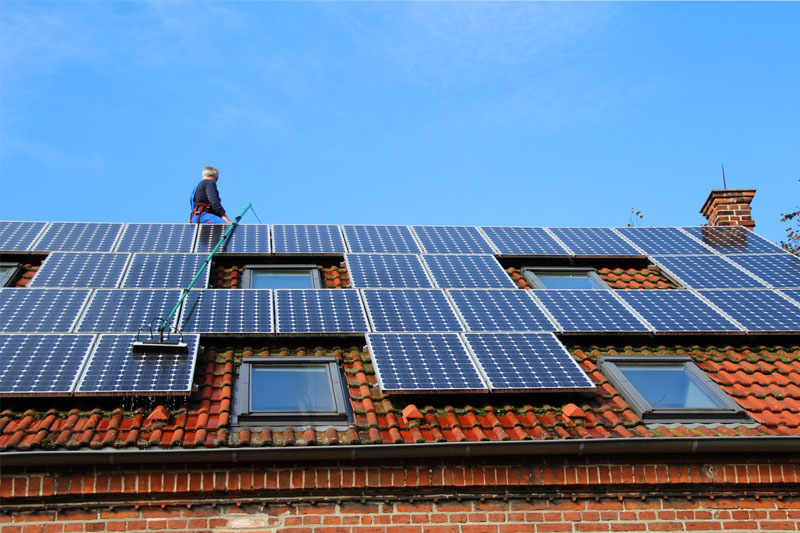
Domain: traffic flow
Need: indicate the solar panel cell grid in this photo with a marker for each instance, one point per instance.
(467, 272)
(707, 272)
(452, 240)
(319, 311)
(588, 310)
(732, 240)
(380, 239)
(663, 241)
(19, 236)
(228, 311)
(779, 270)
(40, 310)
(41, 364)
(157, 238)
(423, 363)
(79, 237)
(152, 271)
(115, 368)
(794, 294)
(527, 361)
(500, 310)
(307, 238)
(127, 310)
(410, 310)
(676, 311)
(523, 241)
(76, 269)
(594, 241)
(245, 238)
(757, 310)
(387, 271)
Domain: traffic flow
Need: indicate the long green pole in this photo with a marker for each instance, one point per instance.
(230, 229)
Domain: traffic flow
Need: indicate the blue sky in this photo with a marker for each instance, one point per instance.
(538, 114)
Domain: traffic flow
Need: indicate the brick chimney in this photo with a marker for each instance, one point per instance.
(729, 207)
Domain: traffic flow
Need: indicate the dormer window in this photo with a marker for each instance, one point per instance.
(281, 277)
(563, 278)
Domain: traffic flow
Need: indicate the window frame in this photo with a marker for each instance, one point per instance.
(7, 279)
(645, 410)
(245, 415)
(529, 272)
(313, 273)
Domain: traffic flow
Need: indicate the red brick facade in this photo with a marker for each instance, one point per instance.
(729, 207)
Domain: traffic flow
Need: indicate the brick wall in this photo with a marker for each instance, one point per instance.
(729, 207)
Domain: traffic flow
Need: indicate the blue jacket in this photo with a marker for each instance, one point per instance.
(206, 193)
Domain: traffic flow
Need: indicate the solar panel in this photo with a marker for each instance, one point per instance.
(157, 238)
(227, 311)
(380, 239)
(524, 241)
(423, 363)
(594, 241)
(307, 238)
(41, 364)
(152, 271)
(733, 240)
(794, 294)
(663, 241)
(81, 269)
(79, 237)
(19, 236)
(40, 310)
(245, 238)
(588, 310)
(779, 270)
(452, 240)
(467, 272)
(500, 310)
(676, 311)
(127, 310)
(319, 311)
(527, 362)
(114, 368)
(757, 310)
(707, 272)
(410, 310)
(400, 271)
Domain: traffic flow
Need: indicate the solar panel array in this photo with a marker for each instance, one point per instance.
(594, 241)
(452, 240)
(244, 239)
(390, 271)
(500, 310)
(523, 241)
(227, 311)
(79, 237)
(41, 364)
(380, 239)
(588, 310)
(177, 238)
(672, 311)
(127, 310)
(81, 269)
(307, 238)
(319, 311)
(19, 236)
(707, 272)
(410, 310)
(152, 271)
(794, 294)
(467, 272)
(40, 310)
(663, 241)
(779, 270)
(757, 310)
(732, 240)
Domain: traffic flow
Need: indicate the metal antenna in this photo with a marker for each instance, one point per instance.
(724, 185)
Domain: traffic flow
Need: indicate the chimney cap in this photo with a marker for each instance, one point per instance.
(746, 195)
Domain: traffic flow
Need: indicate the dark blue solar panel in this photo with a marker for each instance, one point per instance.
(527, 361)
(127, 310)
(79, 237)
(40, 310)
(500, 310)
(757, 310)
(410, 310)
(452, 240)
(115, 368)
(663, 241)
(707, 272)
(467, 272)
(387, 271)
(319, 311)
(157, 238)
(779, 270)
(733, 240)
(307, 238)
(77, 269)
(523, 241)
(380, 239)
(245, 238)
(19, 236)
(794, 294)
(594, 241)
(153, 271)
(586, 310)
(423, 363)
(676, 311)
(41, 364)
(228, 311)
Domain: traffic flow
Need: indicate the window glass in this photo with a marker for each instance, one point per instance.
(669, 386)
(292, 388)
(7, 273)
(281, 279)
(567, 280)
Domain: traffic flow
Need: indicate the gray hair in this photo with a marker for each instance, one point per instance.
(210, 172)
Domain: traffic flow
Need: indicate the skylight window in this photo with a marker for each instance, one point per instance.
(669, 389)
(564, 278)
(8, 274)
(281, 277)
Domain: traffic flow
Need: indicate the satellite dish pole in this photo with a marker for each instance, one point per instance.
(724, 185)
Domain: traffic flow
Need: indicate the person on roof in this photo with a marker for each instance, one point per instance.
(205, 202)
